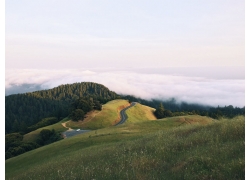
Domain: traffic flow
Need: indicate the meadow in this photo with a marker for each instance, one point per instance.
(185, 147)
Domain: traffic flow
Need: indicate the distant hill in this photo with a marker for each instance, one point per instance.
(24, 110)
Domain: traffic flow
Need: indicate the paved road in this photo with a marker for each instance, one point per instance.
(73, 132)
(123, 114)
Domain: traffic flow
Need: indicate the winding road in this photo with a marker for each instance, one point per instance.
(123, 114)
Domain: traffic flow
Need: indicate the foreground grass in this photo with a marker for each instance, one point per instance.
(108, 116)
(151, 150)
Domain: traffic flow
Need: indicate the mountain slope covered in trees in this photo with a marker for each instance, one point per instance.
(25, 110)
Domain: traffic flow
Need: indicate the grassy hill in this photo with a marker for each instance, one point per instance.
(186, 147)
(108, 116)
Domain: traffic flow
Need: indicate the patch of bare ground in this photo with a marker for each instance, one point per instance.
(64, 125)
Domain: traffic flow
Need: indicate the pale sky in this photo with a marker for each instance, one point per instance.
(60, 34)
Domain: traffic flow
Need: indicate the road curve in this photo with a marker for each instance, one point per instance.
(123, 114)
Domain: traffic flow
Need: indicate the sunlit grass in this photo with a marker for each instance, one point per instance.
(147, 150)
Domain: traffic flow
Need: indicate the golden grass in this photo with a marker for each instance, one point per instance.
(140, 113)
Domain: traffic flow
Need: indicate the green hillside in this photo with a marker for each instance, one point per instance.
(187, 147)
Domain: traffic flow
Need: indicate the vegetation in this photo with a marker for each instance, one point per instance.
(160, 149)
(83, 105)
(47, 136)
(14, 144)
(25, 110)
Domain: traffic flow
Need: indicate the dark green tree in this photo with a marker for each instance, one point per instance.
(159, 112)
(77, 114)
(168, 113)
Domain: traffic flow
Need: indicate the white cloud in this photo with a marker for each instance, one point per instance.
(183, 88)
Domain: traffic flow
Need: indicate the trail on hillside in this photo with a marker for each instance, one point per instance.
(64, 125)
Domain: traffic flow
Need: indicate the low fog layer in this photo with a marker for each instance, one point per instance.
(210, 87)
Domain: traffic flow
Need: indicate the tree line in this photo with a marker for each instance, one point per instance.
(170, 107)
(216, 113)
(170, 104)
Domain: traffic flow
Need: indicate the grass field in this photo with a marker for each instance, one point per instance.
(186, 147)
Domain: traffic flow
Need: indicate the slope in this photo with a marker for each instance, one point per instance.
(170, 147)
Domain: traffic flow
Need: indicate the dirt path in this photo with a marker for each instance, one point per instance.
(64, 125)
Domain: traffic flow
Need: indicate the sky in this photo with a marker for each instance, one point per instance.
(52, 34)
(191, 50)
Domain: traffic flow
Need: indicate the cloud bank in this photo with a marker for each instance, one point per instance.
(192, 89)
